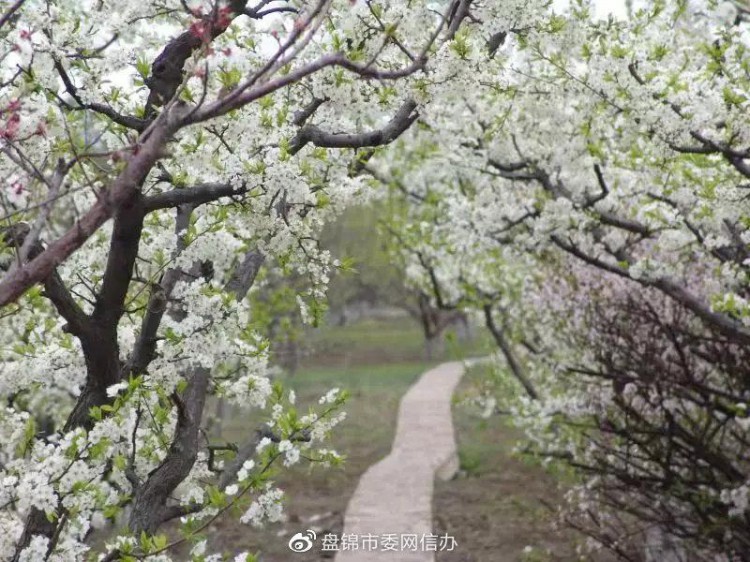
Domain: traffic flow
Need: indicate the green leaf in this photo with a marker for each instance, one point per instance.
(145, 542)
(732, 97)
(159, 542)
(29, 432)
(143, 66)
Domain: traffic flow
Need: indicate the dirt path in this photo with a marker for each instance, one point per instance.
(394, 496)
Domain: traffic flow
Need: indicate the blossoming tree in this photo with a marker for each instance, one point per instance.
(591, 205)
(157, 156)
(579, 182)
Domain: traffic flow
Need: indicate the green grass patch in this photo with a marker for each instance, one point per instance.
(382, 341)
(364, 437)
(499, 504)
(376, 362)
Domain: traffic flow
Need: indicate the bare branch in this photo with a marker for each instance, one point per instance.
(245, 273)
(300, 117)
(508, 168)
(403, 119)
(144, 349)
(624, 224)
(54, 288)
(128, 121)
(602, 185)
(194, 196)
(123, 250)
(5, 18)
(459, 11)
(510, 356)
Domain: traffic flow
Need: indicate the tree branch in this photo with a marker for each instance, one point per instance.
(123, 250)
(144, 349)
(150, 507)
(194, 196)
(507, 350)
(223, 106)
(167, 70)
(300, 117)
(122, 190)
(54, 288)
(245, 273)
(8, 14)
(149, 500)
(721, 322)
(459, 11)
(403, 119)
(602, 185)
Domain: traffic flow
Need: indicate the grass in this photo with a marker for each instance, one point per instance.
(384, 341)
(497, 505)
(317, 498)
(376, 361)
(494, 508)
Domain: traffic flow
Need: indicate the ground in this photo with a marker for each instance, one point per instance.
(497, 507)
(492, 509)
(318, 498)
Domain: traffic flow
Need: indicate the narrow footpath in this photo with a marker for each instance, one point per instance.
(394, 496)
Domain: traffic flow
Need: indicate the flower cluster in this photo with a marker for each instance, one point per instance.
(588, 205)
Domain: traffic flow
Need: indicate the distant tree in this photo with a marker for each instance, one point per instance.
(370, 275)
